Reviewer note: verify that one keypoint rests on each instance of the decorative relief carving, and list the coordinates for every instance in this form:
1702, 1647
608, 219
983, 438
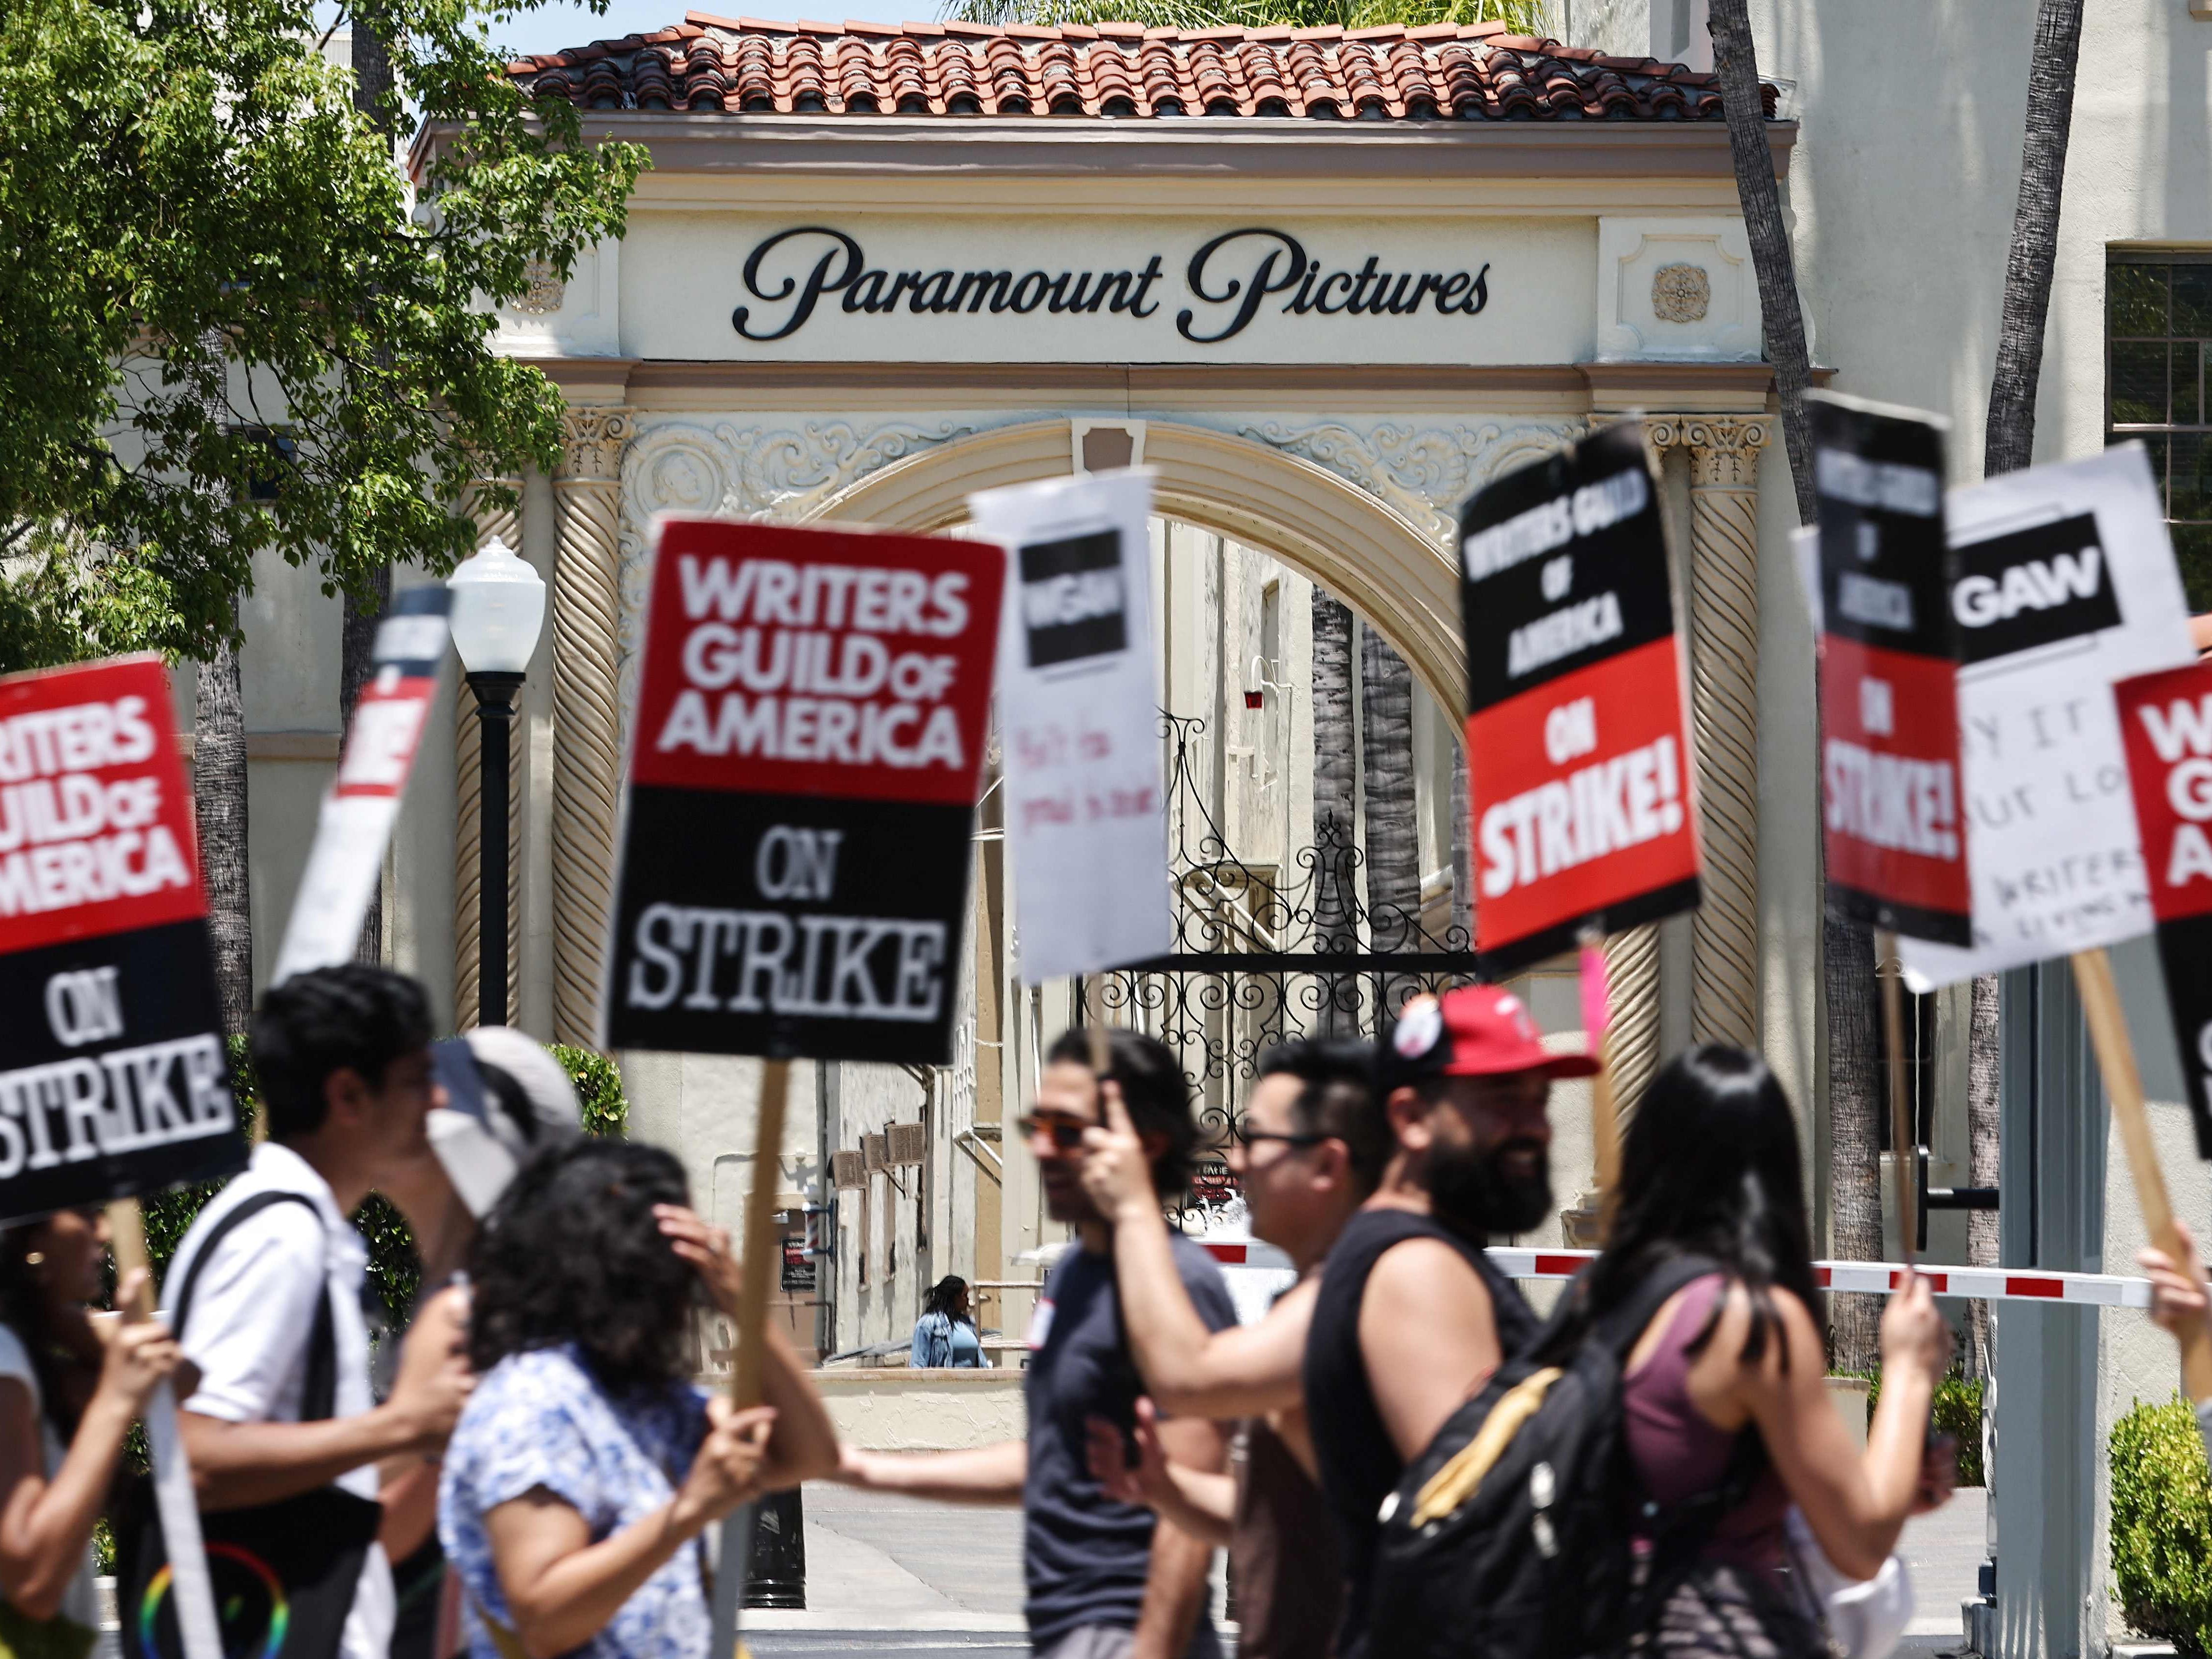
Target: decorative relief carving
543, 296
591, 442
747, 471
1723, 448
1422, 473
1682, 294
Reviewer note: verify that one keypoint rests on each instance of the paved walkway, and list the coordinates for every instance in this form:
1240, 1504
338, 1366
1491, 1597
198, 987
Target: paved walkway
875, 1563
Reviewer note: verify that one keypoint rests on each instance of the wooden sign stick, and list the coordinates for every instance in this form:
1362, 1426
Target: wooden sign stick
2116, 1059
1605, 1116
177, 1505
749, 1337
1904, 1144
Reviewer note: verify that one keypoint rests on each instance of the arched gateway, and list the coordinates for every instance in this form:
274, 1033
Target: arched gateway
1326, 284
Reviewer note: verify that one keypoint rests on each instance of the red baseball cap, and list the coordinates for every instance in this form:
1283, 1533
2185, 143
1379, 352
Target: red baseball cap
1477, 1030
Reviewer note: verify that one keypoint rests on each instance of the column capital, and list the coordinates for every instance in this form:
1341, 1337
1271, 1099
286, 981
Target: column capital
593, 439
1723, 448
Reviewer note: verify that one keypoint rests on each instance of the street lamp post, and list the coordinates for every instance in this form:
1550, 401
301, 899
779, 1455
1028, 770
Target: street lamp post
499, 605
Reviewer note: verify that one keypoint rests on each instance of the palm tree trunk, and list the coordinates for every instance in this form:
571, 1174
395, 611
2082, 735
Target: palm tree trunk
1847, 982
1394, 832
1855, 1102
219, 799
356, 652
2008, 445
1335, 796
2011, 442
1736, 62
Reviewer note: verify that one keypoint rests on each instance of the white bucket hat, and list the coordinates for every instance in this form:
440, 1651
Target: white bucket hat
506, 1099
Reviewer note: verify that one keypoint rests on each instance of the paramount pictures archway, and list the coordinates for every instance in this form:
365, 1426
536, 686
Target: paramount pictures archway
1566, 232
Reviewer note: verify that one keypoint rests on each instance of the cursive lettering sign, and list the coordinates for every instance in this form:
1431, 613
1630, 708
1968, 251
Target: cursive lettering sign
788, 276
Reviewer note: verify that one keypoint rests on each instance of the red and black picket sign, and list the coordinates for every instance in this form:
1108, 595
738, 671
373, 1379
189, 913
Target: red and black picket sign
2166, 722
114, 1076
804, 761
1893, 820
1578, 757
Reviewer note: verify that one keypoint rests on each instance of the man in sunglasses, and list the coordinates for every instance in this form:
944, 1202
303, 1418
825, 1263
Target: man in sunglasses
1407, 1316
1107, 1580
1309, 1147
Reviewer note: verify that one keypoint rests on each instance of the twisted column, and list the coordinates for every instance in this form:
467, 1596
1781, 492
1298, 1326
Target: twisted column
586, 726
1723, 608
1631, 972
505, 524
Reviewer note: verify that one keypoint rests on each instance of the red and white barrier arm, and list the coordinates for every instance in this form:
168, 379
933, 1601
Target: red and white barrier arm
1990, 1283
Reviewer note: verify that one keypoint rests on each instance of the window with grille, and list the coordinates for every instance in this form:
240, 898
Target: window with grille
2158, 334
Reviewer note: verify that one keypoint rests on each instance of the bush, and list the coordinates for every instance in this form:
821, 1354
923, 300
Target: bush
1956, 1411
599, 1090
2162, 1526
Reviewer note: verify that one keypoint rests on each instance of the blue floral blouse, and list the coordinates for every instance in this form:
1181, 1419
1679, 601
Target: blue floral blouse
540, 1419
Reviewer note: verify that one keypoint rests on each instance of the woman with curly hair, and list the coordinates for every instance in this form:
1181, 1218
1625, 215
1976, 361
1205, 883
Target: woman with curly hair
586, 1465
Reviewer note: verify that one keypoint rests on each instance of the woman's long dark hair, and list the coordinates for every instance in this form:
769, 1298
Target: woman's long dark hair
571, 1254
1710, 1167
24, 1309
944, 1298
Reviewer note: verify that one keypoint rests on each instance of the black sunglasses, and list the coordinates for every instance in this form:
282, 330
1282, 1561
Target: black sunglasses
1251, 1135
1066, 1135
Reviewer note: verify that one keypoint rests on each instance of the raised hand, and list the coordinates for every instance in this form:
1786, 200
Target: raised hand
2179, 1302
1116, 1171
707, 1248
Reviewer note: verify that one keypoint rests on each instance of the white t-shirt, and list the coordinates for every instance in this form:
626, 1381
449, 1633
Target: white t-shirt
253, 1309
80, 1601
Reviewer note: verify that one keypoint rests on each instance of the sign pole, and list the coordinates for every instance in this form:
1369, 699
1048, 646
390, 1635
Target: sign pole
174, 1497
1605, 1117
749, 1337
2116, 1059
1904, 1144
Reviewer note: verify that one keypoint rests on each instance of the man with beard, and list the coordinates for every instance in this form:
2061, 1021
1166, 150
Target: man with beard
1411, 1316
1106, 1580
1309, 1148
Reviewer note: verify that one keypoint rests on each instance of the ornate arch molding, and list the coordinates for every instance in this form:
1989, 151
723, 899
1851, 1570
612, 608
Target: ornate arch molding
1399, 579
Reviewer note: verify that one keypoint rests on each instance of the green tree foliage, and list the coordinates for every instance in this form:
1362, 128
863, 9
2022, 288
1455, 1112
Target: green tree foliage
229, 324
1523, 15
2162, 1526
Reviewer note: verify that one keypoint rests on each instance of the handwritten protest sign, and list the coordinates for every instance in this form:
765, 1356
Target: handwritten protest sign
2166, 720
114, 1080
1079, 718
808, 736
355, 826
2065, 583
1894, 839
1578, 757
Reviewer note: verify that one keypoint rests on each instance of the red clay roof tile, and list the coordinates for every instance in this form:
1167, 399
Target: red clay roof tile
1471, 72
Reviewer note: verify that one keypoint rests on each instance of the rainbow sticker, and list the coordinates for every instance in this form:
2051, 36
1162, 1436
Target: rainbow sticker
280, 1609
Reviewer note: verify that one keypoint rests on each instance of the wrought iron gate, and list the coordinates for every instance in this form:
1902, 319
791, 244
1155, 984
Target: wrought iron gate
1263, 952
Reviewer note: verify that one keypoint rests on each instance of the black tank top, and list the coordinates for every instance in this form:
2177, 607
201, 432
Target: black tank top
1358, 1462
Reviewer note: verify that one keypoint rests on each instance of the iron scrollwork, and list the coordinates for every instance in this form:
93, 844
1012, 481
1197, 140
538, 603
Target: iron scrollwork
1263, 955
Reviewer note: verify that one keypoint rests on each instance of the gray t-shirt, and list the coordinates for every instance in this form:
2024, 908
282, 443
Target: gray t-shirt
1086, 1555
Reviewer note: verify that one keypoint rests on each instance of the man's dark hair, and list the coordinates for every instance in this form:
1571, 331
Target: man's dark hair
571, 1253
1338, 1101
1154, 1090
350, 1017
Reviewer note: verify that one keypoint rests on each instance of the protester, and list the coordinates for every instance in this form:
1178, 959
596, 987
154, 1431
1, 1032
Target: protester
342, 1056
944, 1336
1710, 1168
1106, 1579
2179, 1304
506, 1099
68, 1394
586, 1466
1309, 1148
1410, 1315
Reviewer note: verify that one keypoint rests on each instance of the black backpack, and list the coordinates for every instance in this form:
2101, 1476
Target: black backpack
1515, 1535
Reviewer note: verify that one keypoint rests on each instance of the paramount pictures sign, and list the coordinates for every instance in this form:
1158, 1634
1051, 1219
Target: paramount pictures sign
810, 275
